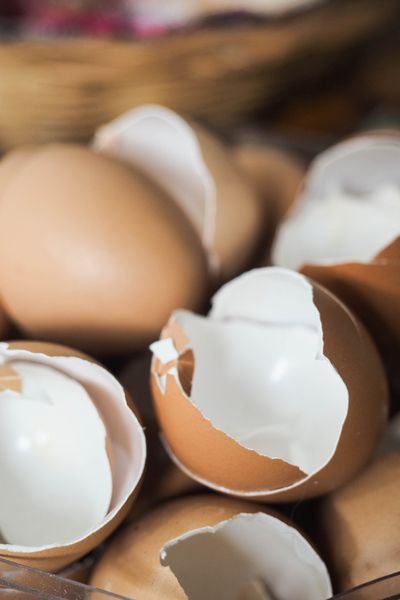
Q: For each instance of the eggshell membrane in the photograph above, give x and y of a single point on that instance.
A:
(222, 206)
(131, 565)
(129, 452)
(45, 500)
(371, 289)
(360, 523)
(213, 458)
(100, 258)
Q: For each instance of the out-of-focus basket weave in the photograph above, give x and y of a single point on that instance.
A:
(64, 89)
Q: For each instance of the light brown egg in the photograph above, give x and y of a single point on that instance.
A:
(197, 171)
(60, 409)
(360, 524)
(11, 163)
(92, 254)
(353, 248)
(278, 395)
(212, 547)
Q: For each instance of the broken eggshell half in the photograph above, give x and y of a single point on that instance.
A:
(278, 395)
(344, 230)
(195, 170)
(72, 454)
(212, 547)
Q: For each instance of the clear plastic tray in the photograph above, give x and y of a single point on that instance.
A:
(23, 583)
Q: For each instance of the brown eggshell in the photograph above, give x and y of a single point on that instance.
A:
(275, 174)
(360, 524)
(122, 431)
(372, 290)
(163, 480)
(131, 565)
(240, 219)
(80, 570)
(101, 256)
(218, 461)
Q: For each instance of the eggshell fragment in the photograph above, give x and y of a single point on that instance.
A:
(197, 172)
(286, 397)
(354, 250)
(360, 524)
(101, 256)
(215, 548)
(125, 447)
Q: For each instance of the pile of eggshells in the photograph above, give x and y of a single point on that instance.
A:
(275, 391)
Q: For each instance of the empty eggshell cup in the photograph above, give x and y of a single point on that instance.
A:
(278, 394)
(72, 454)
(344, 230)
(215, 548)
(195, 170)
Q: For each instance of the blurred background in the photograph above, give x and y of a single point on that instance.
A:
(297, 73)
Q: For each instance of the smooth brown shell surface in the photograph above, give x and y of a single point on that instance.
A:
(131, 565)
(218, 461)
(100, 257)
(371, 289)
(360, 524)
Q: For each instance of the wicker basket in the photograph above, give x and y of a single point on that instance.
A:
(64, 89)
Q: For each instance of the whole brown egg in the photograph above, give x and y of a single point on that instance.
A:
(92, 253)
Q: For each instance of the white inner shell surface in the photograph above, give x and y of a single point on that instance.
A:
(349, 210)
(163, 146)
(219, 563)
(55, 473)
(340, 227)
(260, 374)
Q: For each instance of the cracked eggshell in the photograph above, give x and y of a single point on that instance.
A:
(363, 167)
(360, 523)
(124, 444)
(198, 173)
(278, 395)
(211, 547)
(110, 255)
(163, 479)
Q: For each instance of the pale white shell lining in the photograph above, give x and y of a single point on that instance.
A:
(162, 145)
(349, 210)
(218, 562)
(260, 373)
(125, 435)
(56, 480)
